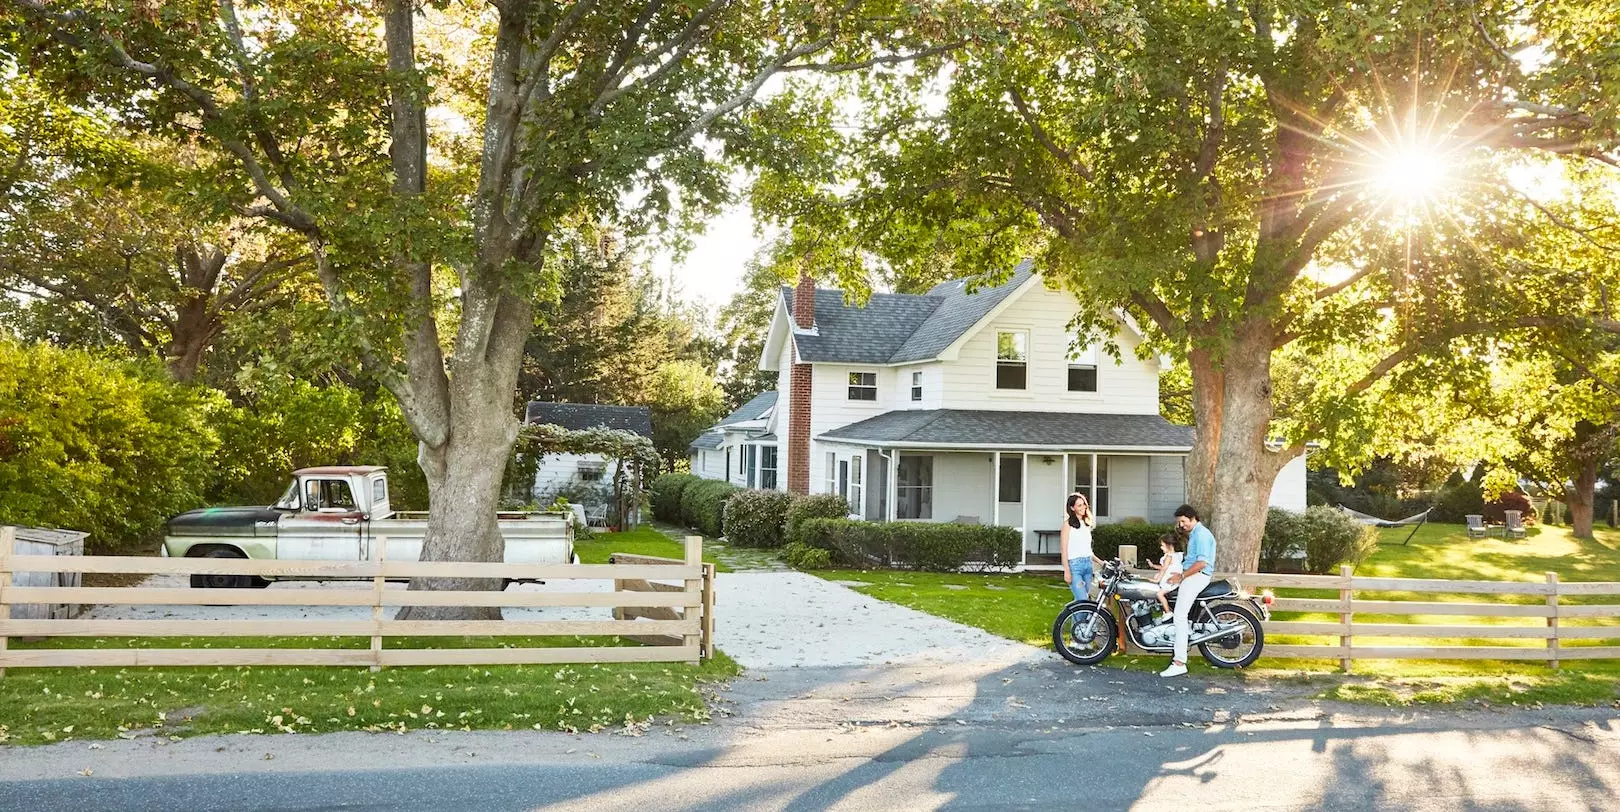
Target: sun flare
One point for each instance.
(1411, 174)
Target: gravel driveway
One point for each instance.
(763, 619)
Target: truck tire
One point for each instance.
(224, 581)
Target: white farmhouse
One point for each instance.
(959, 405)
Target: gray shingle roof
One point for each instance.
(579, 416)
(708, 439)
(898, 327)
(862, 334)
(994, 428)
(957, 314)
(752, 410)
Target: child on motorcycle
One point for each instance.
(1169, 564)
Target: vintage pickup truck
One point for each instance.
(337, 513)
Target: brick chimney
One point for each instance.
(804, 302)
(798, 450)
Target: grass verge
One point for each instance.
(1022, 606)
(45, 705)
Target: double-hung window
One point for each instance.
(1083, 369)
(914, 487)
(1096, 490)
(767, 467)
(751, 463)
(856, 506)
(916, 386)
(1012, 359)
(832, 472)
(863, 386)
(1010, 479)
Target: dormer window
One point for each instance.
(863, 386)
(1083, 369)
(1012, 359)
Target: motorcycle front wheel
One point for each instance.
(1084, 634)
(1240, 648)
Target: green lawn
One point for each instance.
(1022, 607)
(640, 541)
(61, 704)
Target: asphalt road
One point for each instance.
(970, 735)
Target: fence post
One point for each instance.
(1552, 620)
(377, 585)
(1345, 615)
(694, 589)
(8, 545)
(708, 611)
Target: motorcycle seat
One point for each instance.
(1215, 588)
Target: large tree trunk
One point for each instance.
(1242, 469)
(1581, 498)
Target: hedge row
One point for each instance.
(751, 518)
(912, 545)
(1106, 539)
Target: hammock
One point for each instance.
(1366, 518)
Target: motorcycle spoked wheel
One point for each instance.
(1079, 648)
(1239, 649)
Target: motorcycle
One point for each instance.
(1225, 623)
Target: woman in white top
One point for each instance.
(1076, 542)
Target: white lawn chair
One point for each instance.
(596, 516)
(1476, 525)
(1512, 524)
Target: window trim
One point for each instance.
(832, 472)
(775, 457)
(1010, 363)
(863, 388)
(1018, 481)
(916, 386)
(857, 486)
(1099, 506)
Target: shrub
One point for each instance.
(912, 545)
(850, 543)
(666, 496)
(822, 505)
(1107, 538)
(703, 505)
(1456, 500)
(1282, 539)
(105, 447)
(755, 518)
(1332, 538)
(1512, 500)
(805, 557)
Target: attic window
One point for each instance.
(1012, 359)
(1083, 369)
(863, 386)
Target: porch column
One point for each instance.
(995, 488)
(1066, 481)
(894, 484)
(1023, 506)
(1091, 498)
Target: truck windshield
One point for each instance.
(289, 497)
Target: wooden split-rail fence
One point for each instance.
(683, 632)
(1566, 617)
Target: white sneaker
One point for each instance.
(1173, 671)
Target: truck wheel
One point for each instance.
(224, 581)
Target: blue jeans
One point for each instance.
(1080, 577)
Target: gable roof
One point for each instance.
(894, 328)
(580, 416)
(752, 410)
(708, 440)
(987, 429)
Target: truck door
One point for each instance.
(328, 527)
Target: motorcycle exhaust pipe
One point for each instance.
(1219, 632)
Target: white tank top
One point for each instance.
(1080, 542)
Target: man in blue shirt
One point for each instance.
(1198, 563)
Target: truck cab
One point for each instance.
(338, 489)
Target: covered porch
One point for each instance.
(1020, 489)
